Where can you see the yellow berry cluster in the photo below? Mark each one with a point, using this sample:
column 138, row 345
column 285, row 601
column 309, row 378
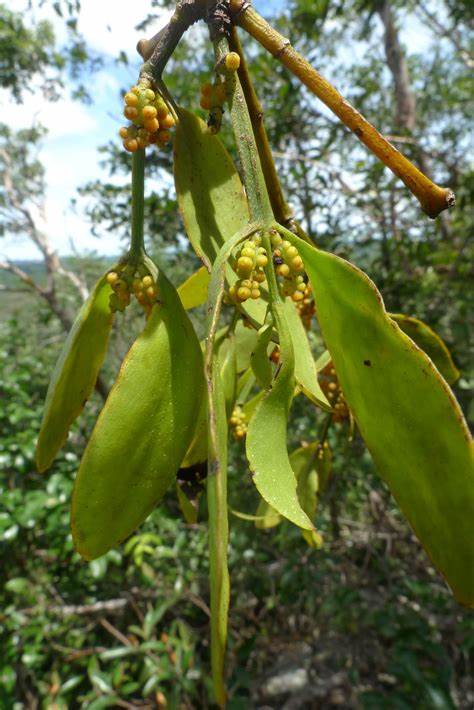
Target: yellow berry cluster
column 306, row 307
column 238, row 423
column 330, row 386
column 289, row 268
column 150, row 118
column 249, row 265
column 322, row 449
column 213, row 96
column 128, row 280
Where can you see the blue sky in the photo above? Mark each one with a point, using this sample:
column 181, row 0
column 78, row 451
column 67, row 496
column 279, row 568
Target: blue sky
column 75, row 131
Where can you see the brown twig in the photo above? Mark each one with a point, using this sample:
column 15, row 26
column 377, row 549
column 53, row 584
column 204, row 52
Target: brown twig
column 157, row 50
column 433, row 199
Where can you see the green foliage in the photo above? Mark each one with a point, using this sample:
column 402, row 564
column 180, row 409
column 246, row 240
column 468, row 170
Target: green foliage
column 75, row 373
column 143, row 431
column 382, row 619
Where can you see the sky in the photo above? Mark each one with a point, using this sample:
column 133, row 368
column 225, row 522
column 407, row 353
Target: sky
column 75, row 131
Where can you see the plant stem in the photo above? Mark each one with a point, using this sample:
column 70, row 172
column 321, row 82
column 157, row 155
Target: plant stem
column 281, row 209
column 256, row 189
column 433, row 199
column 138, row 202
column 157, row 50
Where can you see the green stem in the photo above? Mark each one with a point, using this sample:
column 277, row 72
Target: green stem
column 138, row 204
column 257, row 195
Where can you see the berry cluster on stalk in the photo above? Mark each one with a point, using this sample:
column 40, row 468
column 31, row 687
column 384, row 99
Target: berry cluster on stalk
column 249, row 265
column 289, row 269
column 238, row 422
column 331, row 388
column 128, row 280
column 150, row 118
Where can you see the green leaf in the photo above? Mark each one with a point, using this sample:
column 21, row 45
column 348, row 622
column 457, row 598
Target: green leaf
column 259, row 360
column 188, row 508
column 311, row 465
column 193, row 291
column 305, row 368
column 75, row 373
column 227, row 361
column 405, row 411
column 266, row 516
column 142, row 433
column 266, row 437
column 430, row 343
column 245, row 342
column 211, row 198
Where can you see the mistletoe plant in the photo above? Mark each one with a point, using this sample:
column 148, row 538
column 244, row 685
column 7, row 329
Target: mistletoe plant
column 171, row 407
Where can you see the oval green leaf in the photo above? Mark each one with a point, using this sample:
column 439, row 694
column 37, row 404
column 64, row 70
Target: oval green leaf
column 193, row 291
column 75, row 373
column 405, row 411
column 143, row 431
column 305, row 369
column 430, row 343
column 266, row 437
column 211, row 198
column 259, row 359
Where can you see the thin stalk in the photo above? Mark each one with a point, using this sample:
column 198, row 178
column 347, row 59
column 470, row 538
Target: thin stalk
column 433, row 199
column 138, row 203
column 281, row 209
column 256, row 189
column 157, row 50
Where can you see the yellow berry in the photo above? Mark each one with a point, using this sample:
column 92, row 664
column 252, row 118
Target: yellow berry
column 131, row 145
column 123, row 133
column 152, row 125
column 168, row 121
column 149, row 95
column 262, row 260
column 260, row 277
column 130, row 112
column 297, row 263
column 135, row 90
column 149, row 112
column 112, row 277
column 151, row 292
column 301, row 287
column 147, row 281
column 162, row 108
column 297, row 296
column 255, row 293
column 232, row 61
column 244, row 265
column 137, row 285
column 291, row 252
column 130, row 99
column 247, row 283
column 243, row 293
column 283, row 270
